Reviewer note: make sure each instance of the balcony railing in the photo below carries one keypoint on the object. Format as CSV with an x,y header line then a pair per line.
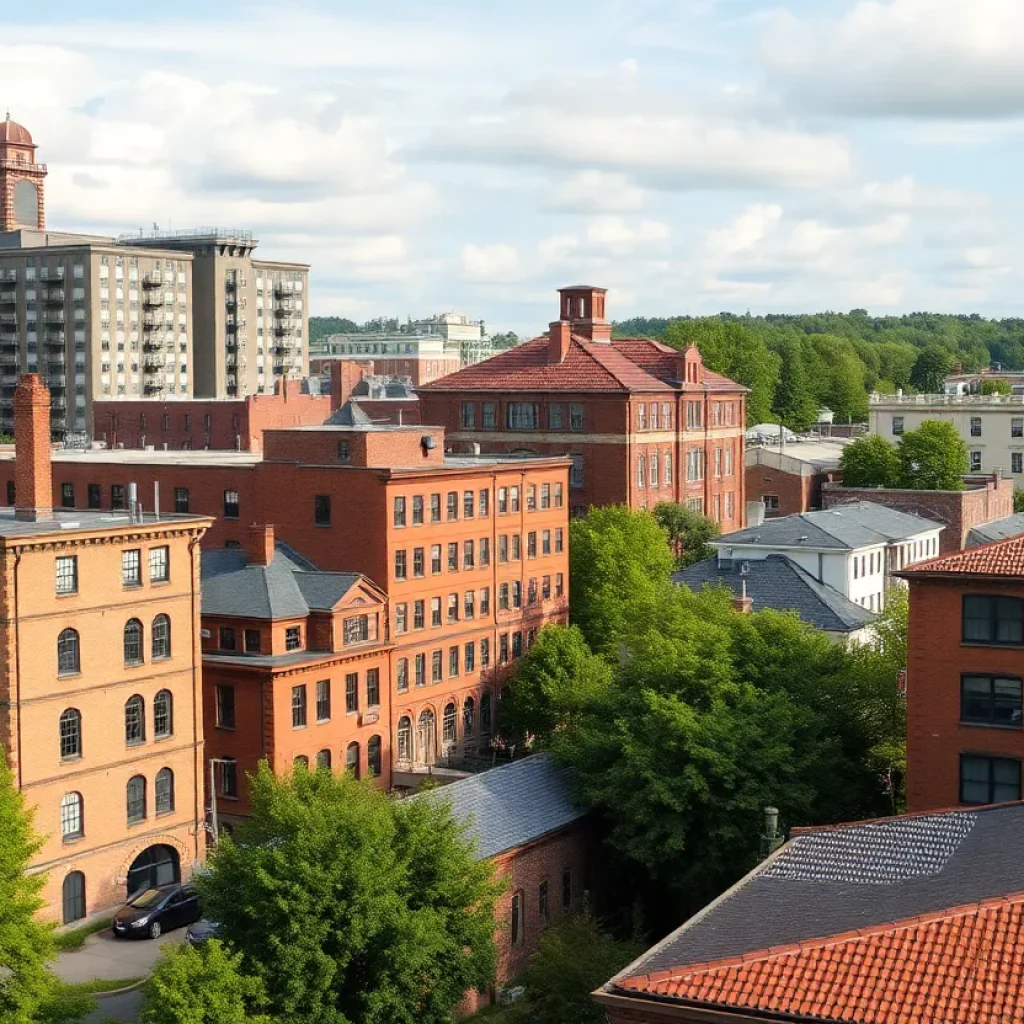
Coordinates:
x,y
8,297
8,320
945,400
8,274
54,316
53,295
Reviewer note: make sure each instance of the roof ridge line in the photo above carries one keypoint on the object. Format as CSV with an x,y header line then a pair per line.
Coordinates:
x,y
804,830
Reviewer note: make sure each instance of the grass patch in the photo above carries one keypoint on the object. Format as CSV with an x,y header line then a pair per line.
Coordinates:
x,y
66,942
100,985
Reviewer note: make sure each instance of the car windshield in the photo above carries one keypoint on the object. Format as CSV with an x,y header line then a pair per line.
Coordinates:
x,y
149,898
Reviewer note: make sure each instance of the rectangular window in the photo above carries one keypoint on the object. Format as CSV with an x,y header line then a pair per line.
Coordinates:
x,y
558,487
575,478
417,562
515,547
453,556
503,547
292,638
545,542
229,778
485,503
542,899
654,415
975,462
502,500
401,617
402,675
531,544
468,504
453,662
418,615
559,584
897,426
523,416
400,566
67,574
531,590
695,464
323,700
226,638
531,498
503,597
67,495
131,568
1017,426
993,620
435,508
435,559
322,509
517,644
399,513
575,416
467,554
417,510
517,594
453,607
453,506
468,415
489,418
666,416
252,641
181,499
159,565
231,504
469,604
435,611
545,588
436,666
694,416
485,551
567,889
298,706
989,780
485,652
117,497
372,687
92,496
226,707
351,692
1017,462
559,540
469,657
344,451
555,416
356,629
421,670
992,700
485,601
513,499
545,496
975,426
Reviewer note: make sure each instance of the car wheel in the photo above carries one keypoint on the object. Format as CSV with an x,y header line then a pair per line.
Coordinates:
x,y
154,930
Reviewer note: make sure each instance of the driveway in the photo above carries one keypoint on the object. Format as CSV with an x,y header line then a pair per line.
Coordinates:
x,y
104,956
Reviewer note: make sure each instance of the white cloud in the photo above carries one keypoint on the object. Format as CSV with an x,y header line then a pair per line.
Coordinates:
x,y
617,233
749,228
903,58
490,262
596,192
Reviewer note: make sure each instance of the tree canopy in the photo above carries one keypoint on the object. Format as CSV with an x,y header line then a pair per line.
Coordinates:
x,y
688,532
933,458
870,462
350,907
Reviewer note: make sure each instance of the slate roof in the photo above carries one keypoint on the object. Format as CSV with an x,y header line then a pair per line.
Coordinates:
x,y
289,587
511,805
843,528
348,415
624,365
999,529
778,582
1003,558
886,921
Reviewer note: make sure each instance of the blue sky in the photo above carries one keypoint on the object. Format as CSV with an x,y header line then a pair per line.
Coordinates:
x,y
691,156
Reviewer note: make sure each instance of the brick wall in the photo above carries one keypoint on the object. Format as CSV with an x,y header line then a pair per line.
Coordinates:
x,y
796,493
985,499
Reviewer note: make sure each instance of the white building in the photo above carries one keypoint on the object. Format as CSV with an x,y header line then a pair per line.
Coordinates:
x,y
992,426
852,548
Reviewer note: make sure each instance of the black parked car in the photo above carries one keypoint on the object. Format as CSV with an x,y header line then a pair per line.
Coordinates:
x,y
154,911
202,931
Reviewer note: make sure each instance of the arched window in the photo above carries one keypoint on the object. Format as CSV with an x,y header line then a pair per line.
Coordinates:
x,y
448,724
133,642
134,720
323,760
468,716
71,734
164,791
405,738
73,892
160,639
163,714
301,762
67,652
71,816
352,759
136,795
426,737
373,757
485,714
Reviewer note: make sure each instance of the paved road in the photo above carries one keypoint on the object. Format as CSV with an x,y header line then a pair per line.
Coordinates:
x,y
104,956
124,1008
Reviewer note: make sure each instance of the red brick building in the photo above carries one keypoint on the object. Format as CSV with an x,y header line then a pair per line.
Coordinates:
x,y
295,668
787,479
965,663
642,422
471,551
191,423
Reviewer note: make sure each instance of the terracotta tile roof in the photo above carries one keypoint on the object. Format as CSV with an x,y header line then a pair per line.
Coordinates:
x,y
1000,558
625,365
964,964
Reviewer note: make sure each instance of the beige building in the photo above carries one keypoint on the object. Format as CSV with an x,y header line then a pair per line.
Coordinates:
x,y
992,426
169,314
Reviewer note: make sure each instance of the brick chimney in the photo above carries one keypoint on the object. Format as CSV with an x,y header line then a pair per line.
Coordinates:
x,y
345,375
33,479
260,550
583,306
559,339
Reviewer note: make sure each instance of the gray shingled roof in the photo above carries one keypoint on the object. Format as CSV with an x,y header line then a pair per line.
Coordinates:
x,y
1000,529
511,805
289,587
843,528
778,582
348,415
828,881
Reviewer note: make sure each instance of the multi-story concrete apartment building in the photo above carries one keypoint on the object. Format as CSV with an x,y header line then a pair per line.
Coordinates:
x,y
166,315
100,697
416,357
641,422
471,551
992,426
965,664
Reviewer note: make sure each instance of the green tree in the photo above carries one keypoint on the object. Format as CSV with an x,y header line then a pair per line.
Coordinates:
x,y
931,369
870,462
612,548
933,458
202,986
795,403
502,341
351,907
27,987
688,532
1018,500
995,387
575,957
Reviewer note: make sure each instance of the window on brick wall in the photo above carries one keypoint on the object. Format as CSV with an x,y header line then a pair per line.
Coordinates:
x,y
993,619
988,780
992,700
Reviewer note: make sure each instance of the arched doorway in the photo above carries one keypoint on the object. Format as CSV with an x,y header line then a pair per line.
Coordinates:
x,y
425,739
155,866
